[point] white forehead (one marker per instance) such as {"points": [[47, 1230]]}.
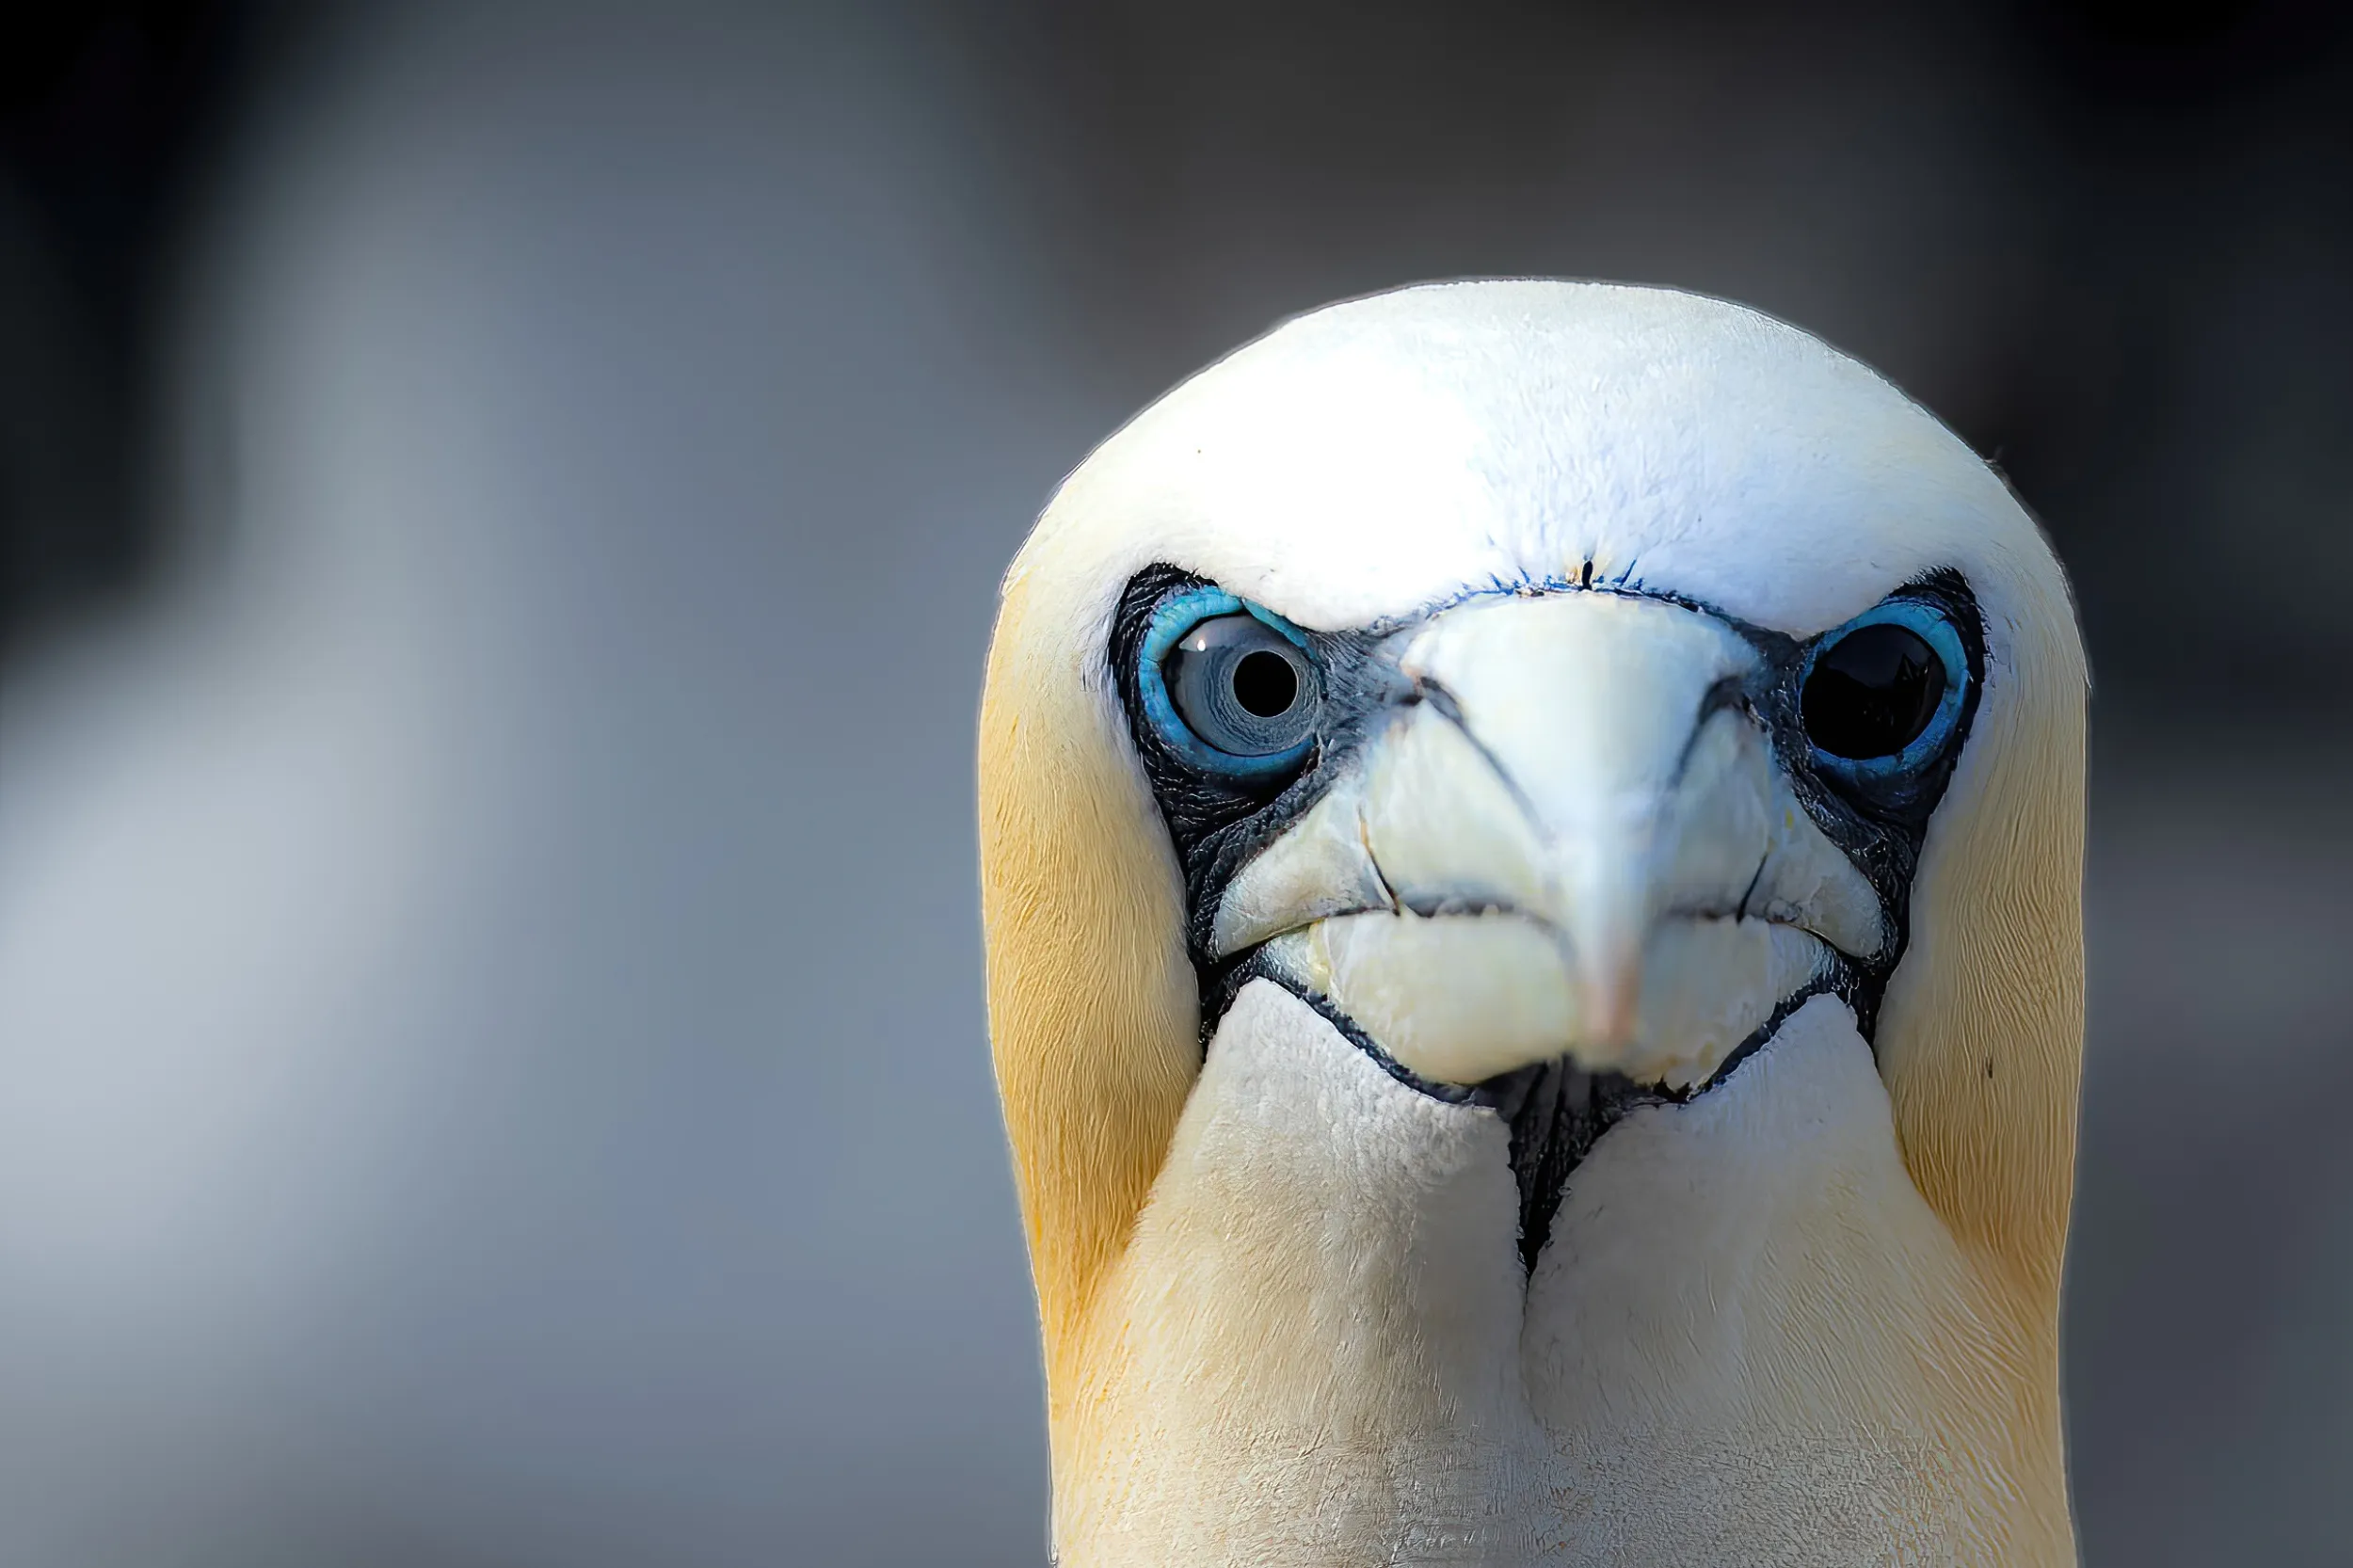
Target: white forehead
{"points": [[1375, 456]]}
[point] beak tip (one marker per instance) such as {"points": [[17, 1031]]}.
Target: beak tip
{"points": [[1612, 998]]}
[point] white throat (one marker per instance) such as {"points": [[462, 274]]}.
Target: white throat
{"points": [[1737, 1347]]}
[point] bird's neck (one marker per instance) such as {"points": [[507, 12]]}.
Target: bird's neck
{"points": [[1749, 1337]]}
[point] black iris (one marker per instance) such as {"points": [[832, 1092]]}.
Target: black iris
{"points": [[1872, 692], [1241, 686]]}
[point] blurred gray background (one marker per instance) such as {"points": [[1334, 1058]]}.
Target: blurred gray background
{"points": [[500, 509]]}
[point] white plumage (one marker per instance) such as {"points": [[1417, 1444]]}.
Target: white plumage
{"points": [[1306, 1294]]}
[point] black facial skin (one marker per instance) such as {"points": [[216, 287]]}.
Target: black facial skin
{"points": [[1556, 1112]]}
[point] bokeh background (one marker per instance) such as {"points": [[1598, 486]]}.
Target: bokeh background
{"points": [[500, 508]]}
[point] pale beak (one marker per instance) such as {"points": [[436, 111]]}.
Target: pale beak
{"points": [[1578, 842]]}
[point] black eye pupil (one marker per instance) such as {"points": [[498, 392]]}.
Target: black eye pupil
{"points": [[1872, 692], [1264, 683]]}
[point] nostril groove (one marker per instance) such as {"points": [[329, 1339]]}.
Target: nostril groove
{"points": [[1363, 837], [1728, 692], [1750, 891], [1443, 703]]}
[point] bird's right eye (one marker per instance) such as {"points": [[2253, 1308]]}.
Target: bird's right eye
{"points": [[1230, 687], [1241, 686]]}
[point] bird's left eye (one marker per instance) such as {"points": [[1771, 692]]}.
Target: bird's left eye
{"points": [[1883, 694], [1230, 691]]}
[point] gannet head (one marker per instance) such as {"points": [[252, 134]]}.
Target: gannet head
{"points": [[1531, 844]]}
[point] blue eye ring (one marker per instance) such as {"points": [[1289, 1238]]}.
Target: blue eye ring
{"points": [[1172, 622], [1932, 626]]}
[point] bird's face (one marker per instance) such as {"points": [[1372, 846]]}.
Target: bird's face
{"points": [[1564, 847], [1520, 821]]}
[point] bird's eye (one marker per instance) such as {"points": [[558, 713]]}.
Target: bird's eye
{"points": [[1234, 694], [1240, 685], [1872, 692], [1883, 694]]}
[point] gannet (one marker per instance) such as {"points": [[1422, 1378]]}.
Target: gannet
{"points": [[1532, 846]]}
